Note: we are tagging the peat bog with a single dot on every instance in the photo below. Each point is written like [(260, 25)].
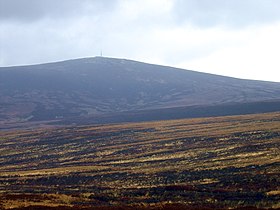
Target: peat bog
[(203, 163)]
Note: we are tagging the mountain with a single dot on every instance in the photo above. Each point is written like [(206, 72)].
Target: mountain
[(100, 87)]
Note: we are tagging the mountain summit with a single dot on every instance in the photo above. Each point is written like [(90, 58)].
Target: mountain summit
[(99, 86)]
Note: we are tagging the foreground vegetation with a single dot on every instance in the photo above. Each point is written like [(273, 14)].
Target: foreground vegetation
[(207, 163)]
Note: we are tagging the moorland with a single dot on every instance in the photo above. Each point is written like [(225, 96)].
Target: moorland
[(203, 163)]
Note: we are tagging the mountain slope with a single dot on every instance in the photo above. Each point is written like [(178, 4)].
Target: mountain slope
[(98, 86)]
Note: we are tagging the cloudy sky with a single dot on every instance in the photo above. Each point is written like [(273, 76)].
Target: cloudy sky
[(237, 38)]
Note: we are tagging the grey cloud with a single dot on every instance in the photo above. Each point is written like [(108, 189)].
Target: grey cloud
[(232, 13), (203, 13), (33, 10)]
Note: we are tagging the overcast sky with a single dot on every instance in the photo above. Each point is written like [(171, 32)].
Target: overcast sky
[(237, 38)]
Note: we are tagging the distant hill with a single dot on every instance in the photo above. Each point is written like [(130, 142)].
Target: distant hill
[(99, 86)]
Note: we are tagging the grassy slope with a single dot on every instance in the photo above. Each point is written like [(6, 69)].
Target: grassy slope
[(208, 162)]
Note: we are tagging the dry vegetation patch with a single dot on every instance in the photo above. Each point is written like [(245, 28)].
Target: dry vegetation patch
[(222, 162)]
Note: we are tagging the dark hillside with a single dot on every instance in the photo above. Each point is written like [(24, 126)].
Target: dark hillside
[(98, 86)]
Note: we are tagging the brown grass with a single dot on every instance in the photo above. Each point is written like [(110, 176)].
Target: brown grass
[(225, 162)]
